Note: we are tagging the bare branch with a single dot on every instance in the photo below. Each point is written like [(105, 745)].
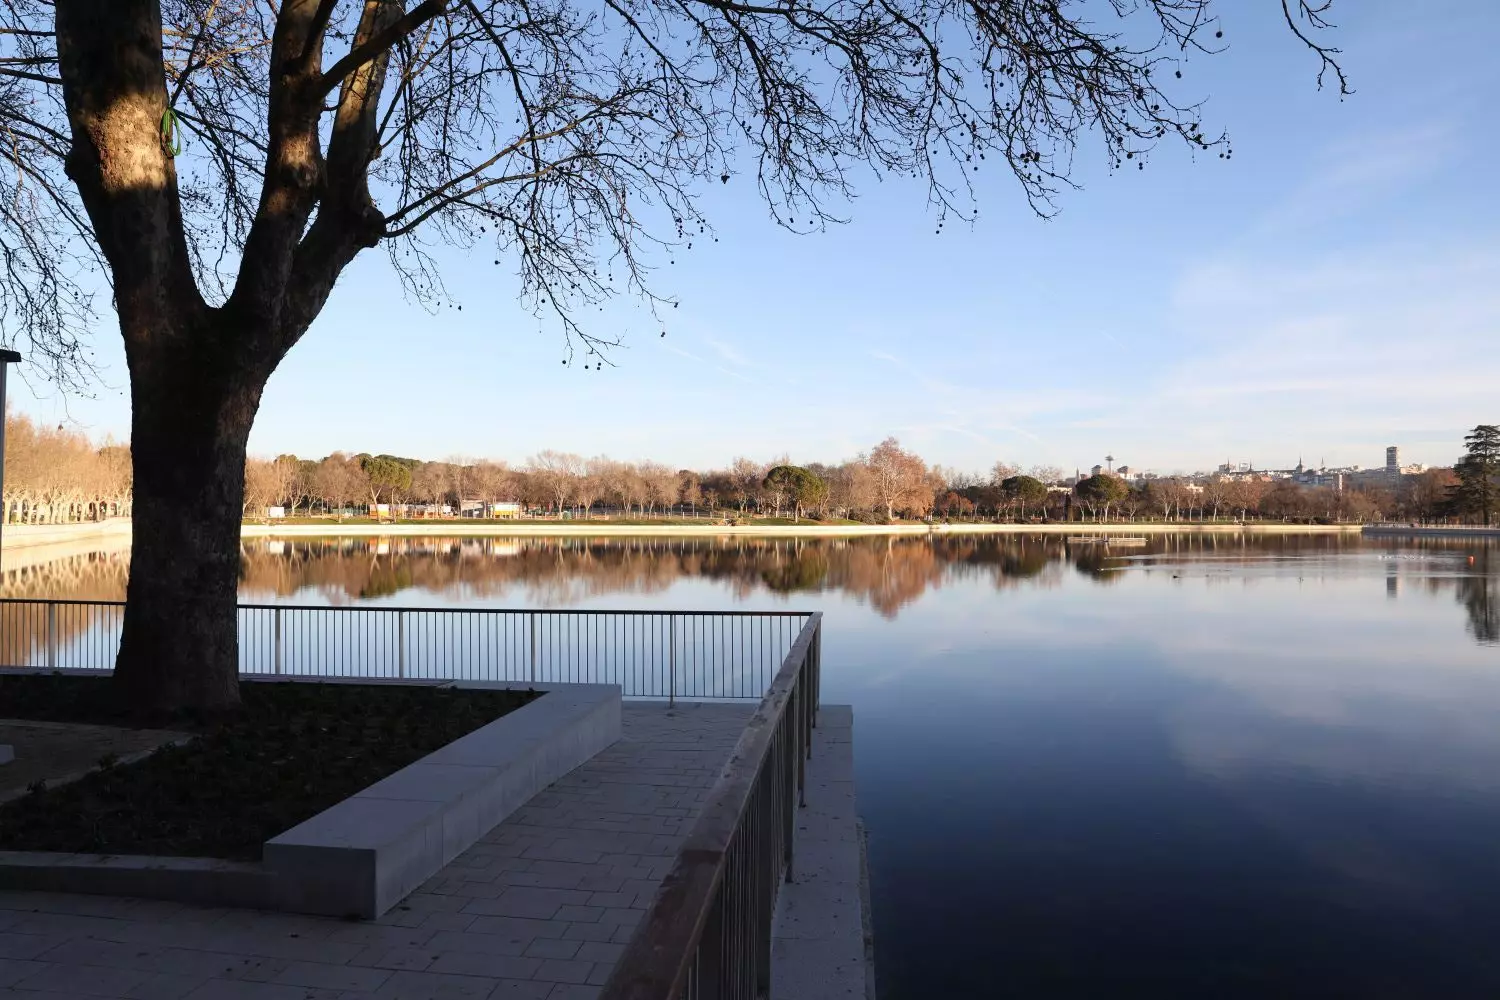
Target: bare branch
[(380, 43)]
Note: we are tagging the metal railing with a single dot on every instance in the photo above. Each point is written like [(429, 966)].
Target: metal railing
[(708, 934), (650, 654)]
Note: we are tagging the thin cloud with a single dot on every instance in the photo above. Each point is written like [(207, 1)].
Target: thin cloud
[(1355, 170), (681, 353), (730, 354)]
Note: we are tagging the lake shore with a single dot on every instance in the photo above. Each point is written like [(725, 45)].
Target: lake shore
[(1436, 530), (40, 542)]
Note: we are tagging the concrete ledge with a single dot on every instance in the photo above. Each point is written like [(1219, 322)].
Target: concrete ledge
[(20, 536), (208, 881), (821, 945), (365, 854), (1437, 530)]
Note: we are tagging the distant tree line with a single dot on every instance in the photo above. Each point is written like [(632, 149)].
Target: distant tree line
[(55, 475), (886, 483)]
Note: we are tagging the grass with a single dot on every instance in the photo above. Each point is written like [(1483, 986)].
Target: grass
[(294, 750)]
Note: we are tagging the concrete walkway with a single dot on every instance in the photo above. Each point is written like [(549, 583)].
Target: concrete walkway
[(539, 908), (820, 944)]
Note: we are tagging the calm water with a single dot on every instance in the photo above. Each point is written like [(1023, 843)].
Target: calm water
[(1211, 768)]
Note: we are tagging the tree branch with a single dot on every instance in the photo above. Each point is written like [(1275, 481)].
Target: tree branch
[(379, 43)]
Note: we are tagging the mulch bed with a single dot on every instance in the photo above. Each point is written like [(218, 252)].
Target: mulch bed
[(294, 750)]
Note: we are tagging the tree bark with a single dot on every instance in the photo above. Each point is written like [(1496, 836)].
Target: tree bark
[(197, 372), (179, 647)]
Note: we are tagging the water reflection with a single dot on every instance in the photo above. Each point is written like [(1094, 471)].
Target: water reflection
[(1207, 766), (1479, 591), (887, 574)]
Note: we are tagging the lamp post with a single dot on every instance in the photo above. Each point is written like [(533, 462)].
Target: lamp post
[(7, 358)]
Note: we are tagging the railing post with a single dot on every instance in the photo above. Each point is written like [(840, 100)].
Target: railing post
[(804, 747), (817, 672), (532, 616), (671, 660), (401, 644), (278, 641), (52, 637), (793, 755)]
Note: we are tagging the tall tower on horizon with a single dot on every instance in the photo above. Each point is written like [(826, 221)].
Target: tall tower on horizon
[(1393, 461)]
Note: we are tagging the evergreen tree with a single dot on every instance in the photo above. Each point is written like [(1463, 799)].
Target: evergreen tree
[(1478, 489)]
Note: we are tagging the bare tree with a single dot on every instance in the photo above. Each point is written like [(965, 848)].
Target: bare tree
[(899, 478), (557, 475), (281, 479), (593, 483), (660, 482), (745, 478), (223, 161), (336, 481), (689, 488), (261, 484)]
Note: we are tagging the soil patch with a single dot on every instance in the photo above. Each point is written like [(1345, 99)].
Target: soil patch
[(294, 750)]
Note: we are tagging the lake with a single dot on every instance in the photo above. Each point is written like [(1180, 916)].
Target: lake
[(1213, 766)]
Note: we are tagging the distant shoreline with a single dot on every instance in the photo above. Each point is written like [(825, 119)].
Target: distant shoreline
[(41, 540), (1449, 531)]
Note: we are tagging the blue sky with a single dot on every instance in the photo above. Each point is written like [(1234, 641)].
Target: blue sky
[(1332, 289)]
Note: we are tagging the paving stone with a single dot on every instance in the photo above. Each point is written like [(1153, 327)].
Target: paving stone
[(573, 991), (599, 951), (473, 963), (163, 986), (509, 918), (555, 970), (579, 914), (435, 986), (465, 942), (332, 977), (28, 945), (552, 948), (590, 932), (527, 901), (381, 957), (522, 989), (85, 980), (13, 970), (228, 989)]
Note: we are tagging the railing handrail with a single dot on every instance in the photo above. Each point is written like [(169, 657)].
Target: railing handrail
[(651, 653), (419, 609), (657, 961)]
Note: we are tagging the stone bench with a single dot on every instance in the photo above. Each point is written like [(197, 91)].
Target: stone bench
[(362, 856)]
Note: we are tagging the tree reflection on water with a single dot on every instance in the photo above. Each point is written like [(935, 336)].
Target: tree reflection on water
[(1479, 591), (885, 573)]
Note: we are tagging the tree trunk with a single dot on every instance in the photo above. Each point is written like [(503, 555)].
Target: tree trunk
[(179, 646)]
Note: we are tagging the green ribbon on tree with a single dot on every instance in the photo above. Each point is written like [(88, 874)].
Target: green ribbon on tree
[(171, 134)]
